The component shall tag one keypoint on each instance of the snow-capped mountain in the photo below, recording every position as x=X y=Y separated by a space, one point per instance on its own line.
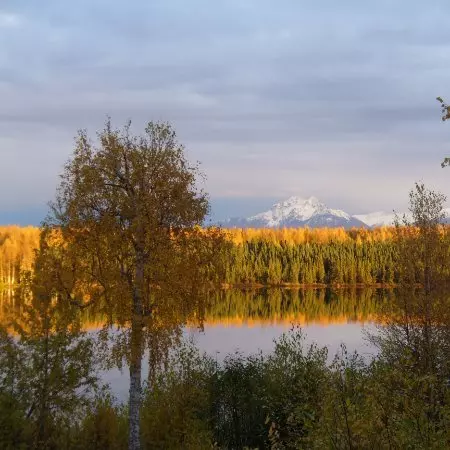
x=297 y=212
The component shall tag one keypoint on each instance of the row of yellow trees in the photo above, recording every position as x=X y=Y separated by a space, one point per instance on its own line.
x=17 y=249
x=18 y=244
x=297 y=236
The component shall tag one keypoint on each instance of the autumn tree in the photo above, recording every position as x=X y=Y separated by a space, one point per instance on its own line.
x=415 y=340
x=128 y=210
x=445 y=109
x=420 y=315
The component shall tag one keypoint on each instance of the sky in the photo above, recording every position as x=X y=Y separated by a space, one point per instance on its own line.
x=324 y=98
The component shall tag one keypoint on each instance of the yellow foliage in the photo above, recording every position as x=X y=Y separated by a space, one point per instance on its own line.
x=18 y=244
x=296 y=236
x=17 y=251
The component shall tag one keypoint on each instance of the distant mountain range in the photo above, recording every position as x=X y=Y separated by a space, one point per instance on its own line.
x=300 y=212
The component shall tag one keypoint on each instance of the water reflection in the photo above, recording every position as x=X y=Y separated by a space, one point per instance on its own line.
x=300 y=306
x=233 y=320
x=48 y=367
x=260 y=307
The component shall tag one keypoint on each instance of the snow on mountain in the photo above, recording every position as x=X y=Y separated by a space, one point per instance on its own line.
x=380 y=218
x=377 y=219
x=295 y=208
x=298 y=212
x=310 y=212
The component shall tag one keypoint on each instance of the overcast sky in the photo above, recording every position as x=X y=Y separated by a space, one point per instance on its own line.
x=325 y=98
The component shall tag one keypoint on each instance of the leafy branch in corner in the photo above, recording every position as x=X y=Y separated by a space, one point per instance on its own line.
x=445 y=109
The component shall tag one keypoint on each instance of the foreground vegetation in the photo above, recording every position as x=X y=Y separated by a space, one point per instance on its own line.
x=288 y=399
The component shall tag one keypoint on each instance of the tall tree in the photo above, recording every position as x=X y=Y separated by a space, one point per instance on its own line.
x=129 y=209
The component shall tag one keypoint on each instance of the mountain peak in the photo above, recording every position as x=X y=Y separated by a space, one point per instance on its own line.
x=297 y=211
x=297 y=200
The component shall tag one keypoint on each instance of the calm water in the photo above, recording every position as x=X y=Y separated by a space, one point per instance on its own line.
x=250 y=320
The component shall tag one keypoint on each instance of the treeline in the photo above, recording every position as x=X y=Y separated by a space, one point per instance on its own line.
x=327 y=256
x=295 y=236
x=17 y=252
x=263 y=256
x=334 y=262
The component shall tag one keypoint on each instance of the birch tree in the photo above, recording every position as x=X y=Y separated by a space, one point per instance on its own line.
x=128 y=209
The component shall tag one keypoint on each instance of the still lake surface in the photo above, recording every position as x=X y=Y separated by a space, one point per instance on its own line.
x=249 y=321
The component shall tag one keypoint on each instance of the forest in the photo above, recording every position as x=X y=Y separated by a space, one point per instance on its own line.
x=298 y=256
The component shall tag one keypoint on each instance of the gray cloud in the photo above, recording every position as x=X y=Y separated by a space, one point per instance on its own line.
x=299 y=98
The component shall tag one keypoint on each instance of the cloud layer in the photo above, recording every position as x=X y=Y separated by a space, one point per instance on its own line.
x=305 y=98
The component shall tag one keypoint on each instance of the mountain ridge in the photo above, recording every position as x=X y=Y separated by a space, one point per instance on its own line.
x=297 y=212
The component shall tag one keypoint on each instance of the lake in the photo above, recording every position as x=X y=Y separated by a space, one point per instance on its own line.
x=249 y=320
